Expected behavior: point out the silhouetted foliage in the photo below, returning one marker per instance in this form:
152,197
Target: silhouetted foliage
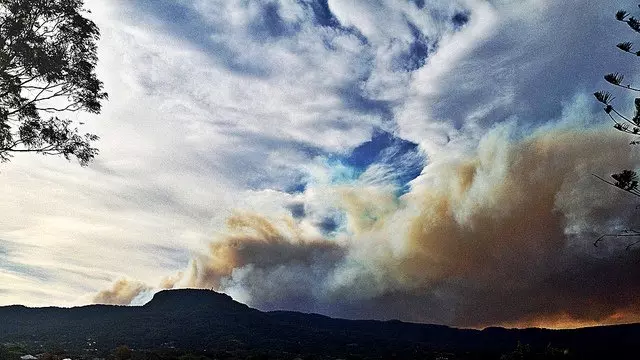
626,180
47,69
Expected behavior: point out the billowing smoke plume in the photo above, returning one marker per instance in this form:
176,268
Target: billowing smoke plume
501,236
258,257
123,292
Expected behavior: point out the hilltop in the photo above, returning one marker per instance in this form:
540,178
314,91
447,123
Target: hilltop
207,321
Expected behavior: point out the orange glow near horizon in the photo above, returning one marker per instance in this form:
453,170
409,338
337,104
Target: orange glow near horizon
565,321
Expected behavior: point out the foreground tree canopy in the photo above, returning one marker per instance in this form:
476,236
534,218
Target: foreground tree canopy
626,180
47,70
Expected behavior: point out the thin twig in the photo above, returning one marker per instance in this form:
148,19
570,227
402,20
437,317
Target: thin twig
595,243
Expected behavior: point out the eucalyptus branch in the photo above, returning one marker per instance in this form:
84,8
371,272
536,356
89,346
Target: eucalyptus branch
71,107
30,102
64,42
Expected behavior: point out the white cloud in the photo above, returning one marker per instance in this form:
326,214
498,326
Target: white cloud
208,114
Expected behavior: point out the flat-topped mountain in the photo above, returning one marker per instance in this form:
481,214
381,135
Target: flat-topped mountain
182,299
206,320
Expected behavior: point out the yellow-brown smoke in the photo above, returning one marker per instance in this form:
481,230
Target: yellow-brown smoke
122,292
500,236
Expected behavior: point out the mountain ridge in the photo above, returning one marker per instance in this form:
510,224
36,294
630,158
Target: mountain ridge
206,320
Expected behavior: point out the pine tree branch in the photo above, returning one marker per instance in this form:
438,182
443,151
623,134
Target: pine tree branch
636,192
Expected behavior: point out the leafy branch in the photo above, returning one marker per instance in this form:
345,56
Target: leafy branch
48,55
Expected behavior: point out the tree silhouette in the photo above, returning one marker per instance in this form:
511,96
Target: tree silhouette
626,180
47,70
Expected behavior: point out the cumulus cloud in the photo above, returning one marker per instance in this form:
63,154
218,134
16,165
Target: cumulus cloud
515,60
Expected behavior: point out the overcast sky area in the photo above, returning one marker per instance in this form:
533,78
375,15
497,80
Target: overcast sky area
425,160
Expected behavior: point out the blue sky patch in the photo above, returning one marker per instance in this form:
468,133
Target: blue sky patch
322,14
416,54
329,225
399,160
419,3
297,210
353,98
269,24
460,19
7,264
298,186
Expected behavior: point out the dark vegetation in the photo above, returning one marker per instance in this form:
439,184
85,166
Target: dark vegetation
48,56
202,324
627,179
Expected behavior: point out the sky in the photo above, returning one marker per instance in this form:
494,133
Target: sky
422,160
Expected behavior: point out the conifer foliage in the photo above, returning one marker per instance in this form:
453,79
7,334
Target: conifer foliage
626,180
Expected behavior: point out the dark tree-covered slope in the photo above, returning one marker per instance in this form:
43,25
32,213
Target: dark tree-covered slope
205,320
